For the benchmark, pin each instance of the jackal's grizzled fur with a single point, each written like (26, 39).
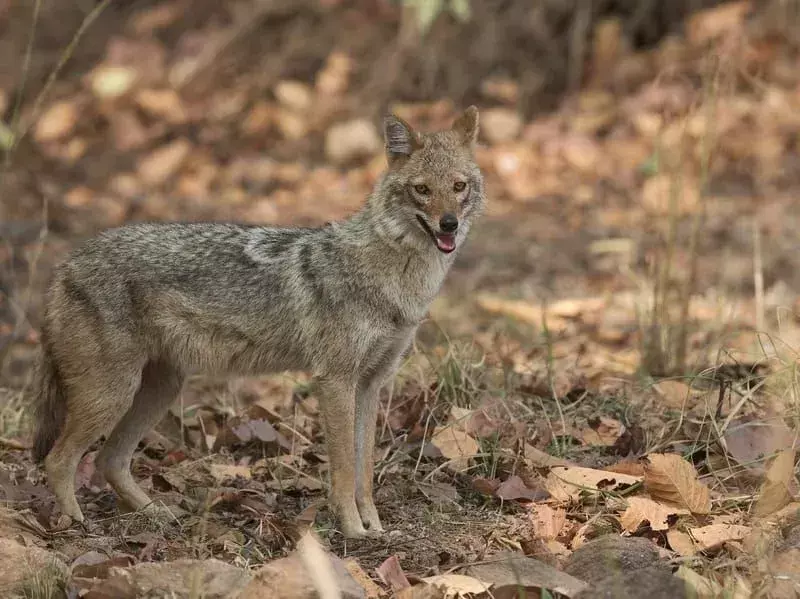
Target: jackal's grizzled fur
(135, 309)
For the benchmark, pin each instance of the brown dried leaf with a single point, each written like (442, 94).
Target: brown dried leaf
(521, 310)
(439, 493)
(485, 485)
(392, 575)
(627, 467)
(606, 432)
(706, 25)
(681, 543)
(457, 585)
(162, 103)
(421, 591)
(164, 162)
(500, 125)
(568, 483)
(750, 441)
(536, 458)
(455, 445)
(674, 394)
(671, 479)
(642, 509)
(108, 81)
(515, 488)
(714, 535)
(661, 191)
(226, 472)
(776, 490)
(146, 21)
(57, 122)
(372, 590)
(547, 521)
(294, 95)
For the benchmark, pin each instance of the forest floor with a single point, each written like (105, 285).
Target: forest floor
(614, 354)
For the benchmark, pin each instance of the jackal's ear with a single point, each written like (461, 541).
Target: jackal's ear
(401, 140)
(467, 125)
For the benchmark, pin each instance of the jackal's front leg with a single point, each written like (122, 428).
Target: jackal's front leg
(337, 403)
(367, 401)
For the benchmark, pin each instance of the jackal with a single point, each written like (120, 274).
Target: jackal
(135, 309)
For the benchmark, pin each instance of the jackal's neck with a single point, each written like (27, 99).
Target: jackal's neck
(380, 224)
(385, 240)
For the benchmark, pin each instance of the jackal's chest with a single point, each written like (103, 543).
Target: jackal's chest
(413, 292)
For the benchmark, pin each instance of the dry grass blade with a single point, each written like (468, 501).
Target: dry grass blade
(673, 480)
(775, 491)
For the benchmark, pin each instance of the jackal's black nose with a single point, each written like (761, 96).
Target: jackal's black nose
(448, 223)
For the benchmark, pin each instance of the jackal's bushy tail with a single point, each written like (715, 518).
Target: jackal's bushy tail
(49, 406)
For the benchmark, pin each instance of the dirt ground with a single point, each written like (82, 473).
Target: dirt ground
(614, 352)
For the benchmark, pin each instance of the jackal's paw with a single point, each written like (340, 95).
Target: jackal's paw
(370, 518)
(357, 531)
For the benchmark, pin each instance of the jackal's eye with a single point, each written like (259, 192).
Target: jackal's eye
(459, 186)
(422, 190)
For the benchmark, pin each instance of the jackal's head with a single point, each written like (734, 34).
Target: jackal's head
(434, 185)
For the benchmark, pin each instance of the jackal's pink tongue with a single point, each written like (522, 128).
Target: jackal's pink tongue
(446, 242)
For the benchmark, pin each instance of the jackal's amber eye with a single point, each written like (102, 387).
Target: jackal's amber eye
(422, 190)
(459, 186)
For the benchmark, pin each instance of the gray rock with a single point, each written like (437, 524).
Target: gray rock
(612, 554)
(509, 571)
(653, 582)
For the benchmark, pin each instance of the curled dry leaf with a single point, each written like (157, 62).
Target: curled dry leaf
(392, 575)
(547, 521)
(606, 432)
(641, 509)
(671, 479)
(536, 458)
(750, 441)
(523, 311)
(627, 467)
(421, 591)
(457, 585)
(57, 122)
(714, 535)
(681, 543)
(455, 445)
(674, 394)
(225, 472)
(487, 486)
(776, 490)
(372, 590)
(515, 488)
(568, 483)
(716, 22)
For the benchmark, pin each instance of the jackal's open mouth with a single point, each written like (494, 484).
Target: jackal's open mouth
(446, 242)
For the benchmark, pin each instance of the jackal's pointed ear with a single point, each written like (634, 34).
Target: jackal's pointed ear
(401, 140)
(467, 125)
